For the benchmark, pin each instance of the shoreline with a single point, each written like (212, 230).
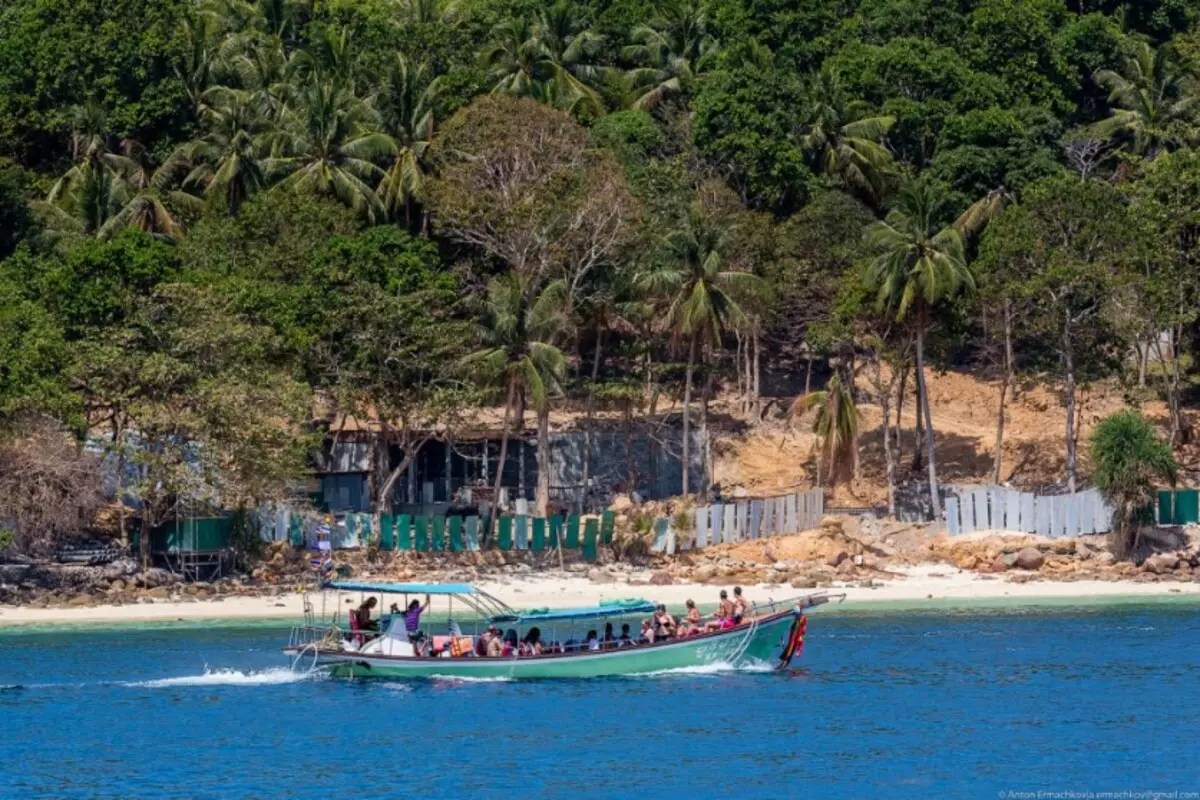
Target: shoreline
(925, 587)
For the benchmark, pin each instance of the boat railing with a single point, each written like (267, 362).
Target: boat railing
(302, 635)
(771, 606)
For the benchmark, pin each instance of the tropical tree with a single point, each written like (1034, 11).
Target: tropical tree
(549, 58)
(405, 104)
(517, 332)
(918, 263)
(1154, 102)
(669, 52)
(1130, 461)
(330, 146)
(843, 138)
(702, 301)
(835, 426)
(228, 157)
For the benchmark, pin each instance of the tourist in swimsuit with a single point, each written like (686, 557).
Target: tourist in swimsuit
(724, 617)
(647, 632)
(664, 624)
(495, 647)
(741, 607)
(362, 615)
(692, 620)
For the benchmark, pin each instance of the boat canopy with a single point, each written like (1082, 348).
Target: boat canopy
(612, 608)
(402, 588)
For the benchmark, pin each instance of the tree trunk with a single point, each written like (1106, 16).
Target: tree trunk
(900, 409)
(756, 392)
(1004, 384)
(629, 476)
(1143, 361)
(1069, 400)
(685, 447)
(543, 454)
(508, 404)
(119, 442)
(808, 374)
(519, 410)
(923, 391)
(591, 409)
(706, 476)
(919, 427)
(743, 389)
(410, 454)
(885, 406)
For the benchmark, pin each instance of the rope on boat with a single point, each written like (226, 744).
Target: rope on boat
(312, 665)
(745, 643)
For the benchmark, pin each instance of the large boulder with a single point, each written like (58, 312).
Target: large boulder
(1030, 558)
(703, 573)
(804, 582)
(661, 578)
(1160, 563)
(836, 559)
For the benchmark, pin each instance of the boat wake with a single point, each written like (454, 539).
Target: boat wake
(717, 668)
(469, 679)
(228, 677)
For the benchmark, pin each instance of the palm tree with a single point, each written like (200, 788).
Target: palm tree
(518, 353)
(702, 301)
(149, 207)
(548, 59)
(1155, 103)
(917, 264)
(330, 147)
(669, 51)
(843, 139)
(835, 426)
(406, 103)
(197, 66)
(228, 157)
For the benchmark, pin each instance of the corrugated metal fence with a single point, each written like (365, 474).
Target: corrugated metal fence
(998, 508)
(741, 520)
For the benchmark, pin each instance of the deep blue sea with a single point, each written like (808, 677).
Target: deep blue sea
(885, 705)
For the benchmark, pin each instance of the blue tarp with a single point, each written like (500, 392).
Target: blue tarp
(591, 612)
(403, 588)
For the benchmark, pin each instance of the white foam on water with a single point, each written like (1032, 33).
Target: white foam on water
(228, 677)
(716, 668)
(469, 679)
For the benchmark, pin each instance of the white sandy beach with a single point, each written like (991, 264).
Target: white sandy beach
(933, 585)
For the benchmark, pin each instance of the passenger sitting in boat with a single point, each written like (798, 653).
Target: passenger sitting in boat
(591, 642)
(495, 646)
(510, 643)
(362, 615)
(610, 640)
(724, 617)
(626, 640)
(741, 607)
(647, 632)
(481, 646)
(692, 619)
(664, 623)
(531, 645)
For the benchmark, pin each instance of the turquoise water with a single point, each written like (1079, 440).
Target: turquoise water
(886, 705)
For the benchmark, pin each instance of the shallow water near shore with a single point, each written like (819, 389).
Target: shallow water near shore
(964, 704)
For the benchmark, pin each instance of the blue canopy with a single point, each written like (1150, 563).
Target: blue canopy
(402, 588)
(611, 609)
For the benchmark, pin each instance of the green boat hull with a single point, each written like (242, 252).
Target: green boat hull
(758, 642)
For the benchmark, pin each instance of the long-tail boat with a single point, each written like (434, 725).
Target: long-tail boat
(772, 633)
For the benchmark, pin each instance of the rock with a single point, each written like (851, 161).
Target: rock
(120, 568)
(1160, 563)
(80, 600)
(621, 503)
(1000, 564)
(836, 559)
(773, 576)
(158, 592)
(661, 578)
(870, 561)
(805, 582)
(780, 566)
(703, 572)
(1030, 558)
(600, 576)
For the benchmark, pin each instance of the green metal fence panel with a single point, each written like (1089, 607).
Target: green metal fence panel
(192, 535)
(421, 524)
(572, 532)
(296, 531)
(471, 533)
(404, 532)
(506, 540)
(591, 532)
(439, 534)
(1187, 506)
(456, 534)
(608, 523)
(386, 532)
(556, 524)
(1166, 507)
(539, 535)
